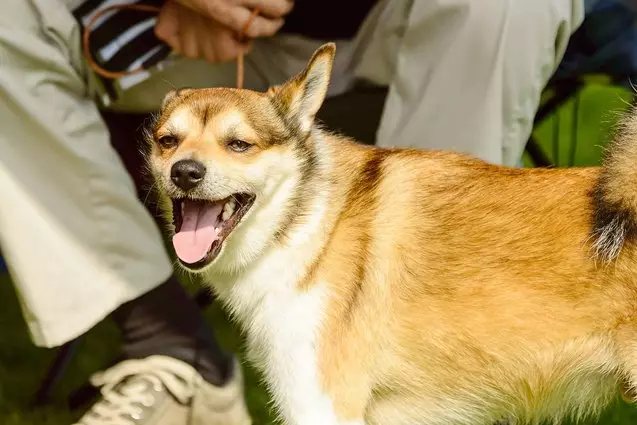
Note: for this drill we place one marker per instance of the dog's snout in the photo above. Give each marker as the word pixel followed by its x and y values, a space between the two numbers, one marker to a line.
pixel 187 173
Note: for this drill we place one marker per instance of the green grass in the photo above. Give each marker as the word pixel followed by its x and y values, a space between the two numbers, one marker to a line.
pixel 22 365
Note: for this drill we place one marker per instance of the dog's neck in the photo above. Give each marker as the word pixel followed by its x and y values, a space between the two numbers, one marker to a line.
pixel 295 242
pixel 279 299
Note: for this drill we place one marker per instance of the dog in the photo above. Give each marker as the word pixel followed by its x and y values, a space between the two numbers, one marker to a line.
pixel 399 286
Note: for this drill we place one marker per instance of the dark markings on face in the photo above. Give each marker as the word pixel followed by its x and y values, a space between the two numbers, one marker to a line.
pixel 205 115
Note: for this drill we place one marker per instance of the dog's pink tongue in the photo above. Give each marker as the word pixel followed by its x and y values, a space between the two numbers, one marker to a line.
pixel 197 233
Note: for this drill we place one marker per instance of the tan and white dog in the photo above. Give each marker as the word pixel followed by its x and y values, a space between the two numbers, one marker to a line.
pixel 394 287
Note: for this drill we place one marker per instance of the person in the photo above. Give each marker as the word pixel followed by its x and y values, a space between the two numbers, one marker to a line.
pixel 80 245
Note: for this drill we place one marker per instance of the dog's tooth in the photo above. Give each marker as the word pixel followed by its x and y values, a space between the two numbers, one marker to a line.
pixel 226 213
pixel 228 209
pixel 217 230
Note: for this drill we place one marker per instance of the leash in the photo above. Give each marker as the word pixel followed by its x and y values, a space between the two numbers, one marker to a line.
pixel 149 9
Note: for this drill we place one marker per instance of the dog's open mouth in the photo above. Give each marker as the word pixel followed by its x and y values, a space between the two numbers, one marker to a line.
pixel 202 226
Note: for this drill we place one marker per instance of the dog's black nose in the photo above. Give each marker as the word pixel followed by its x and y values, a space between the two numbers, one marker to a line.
pixel 187 173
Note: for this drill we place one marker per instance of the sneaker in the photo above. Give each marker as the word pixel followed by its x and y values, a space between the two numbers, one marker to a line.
pixel 161 390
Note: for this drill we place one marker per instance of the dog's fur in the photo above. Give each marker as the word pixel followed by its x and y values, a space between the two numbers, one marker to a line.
pixel 381 286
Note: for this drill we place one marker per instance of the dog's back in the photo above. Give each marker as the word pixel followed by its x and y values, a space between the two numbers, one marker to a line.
pixel 473 289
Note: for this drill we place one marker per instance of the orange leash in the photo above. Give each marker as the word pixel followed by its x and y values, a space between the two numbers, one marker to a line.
pixel 240 66
pixel 150 9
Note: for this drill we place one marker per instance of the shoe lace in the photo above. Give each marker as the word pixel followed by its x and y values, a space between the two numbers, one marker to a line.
pixel 127 388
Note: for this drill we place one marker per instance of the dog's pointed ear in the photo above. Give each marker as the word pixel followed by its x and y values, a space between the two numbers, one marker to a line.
pixel 301 97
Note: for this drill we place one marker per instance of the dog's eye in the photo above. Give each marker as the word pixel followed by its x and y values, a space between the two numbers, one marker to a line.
pixel 239 145
pixel 167 142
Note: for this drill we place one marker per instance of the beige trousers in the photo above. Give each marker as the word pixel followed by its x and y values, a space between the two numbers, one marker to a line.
pixel 463 75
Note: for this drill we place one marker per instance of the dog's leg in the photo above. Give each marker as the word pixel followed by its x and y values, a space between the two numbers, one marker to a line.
pixel 321 419
pixel 323 416
pixel 315 411
pixel 627 350
pixel 628 385
pixel 320 411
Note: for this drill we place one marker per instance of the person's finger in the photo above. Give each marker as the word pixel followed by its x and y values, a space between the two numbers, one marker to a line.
pixel 210 52
pixel 247 46
pixel 217 10
pixel 167 28
pixel 190 43
pixel 228 48
pixel 169 37
pixel 272 9
pixel 237 17
pixel 261 27
pixel 175 45
pixel 216 49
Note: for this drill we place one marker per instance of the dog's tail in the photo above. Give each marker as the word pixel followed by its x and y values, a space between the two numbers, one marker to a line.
pixel 615 193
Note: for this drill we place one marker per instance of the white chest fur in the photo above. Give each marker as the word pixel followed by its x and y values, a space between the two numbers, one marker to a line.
pixel 282 322
pixel 282 325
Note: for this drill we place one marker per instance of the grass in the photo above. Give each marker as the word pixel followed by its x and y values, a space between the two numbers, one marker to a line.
pixel 22 365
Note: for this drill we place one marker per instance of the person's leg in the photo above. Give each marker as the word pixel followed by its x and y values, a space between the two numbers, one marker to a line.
pixel 466 75
pixel 185 336
pixel 78 242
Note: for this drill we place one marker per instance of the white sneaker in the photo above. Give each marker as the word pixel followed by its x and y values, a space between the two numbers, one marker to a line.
pixel 161 390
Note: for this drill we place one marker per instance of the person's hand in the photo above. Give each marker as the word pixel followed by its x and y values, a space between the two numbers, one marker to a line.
pixel 234 14
pixel 196 36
